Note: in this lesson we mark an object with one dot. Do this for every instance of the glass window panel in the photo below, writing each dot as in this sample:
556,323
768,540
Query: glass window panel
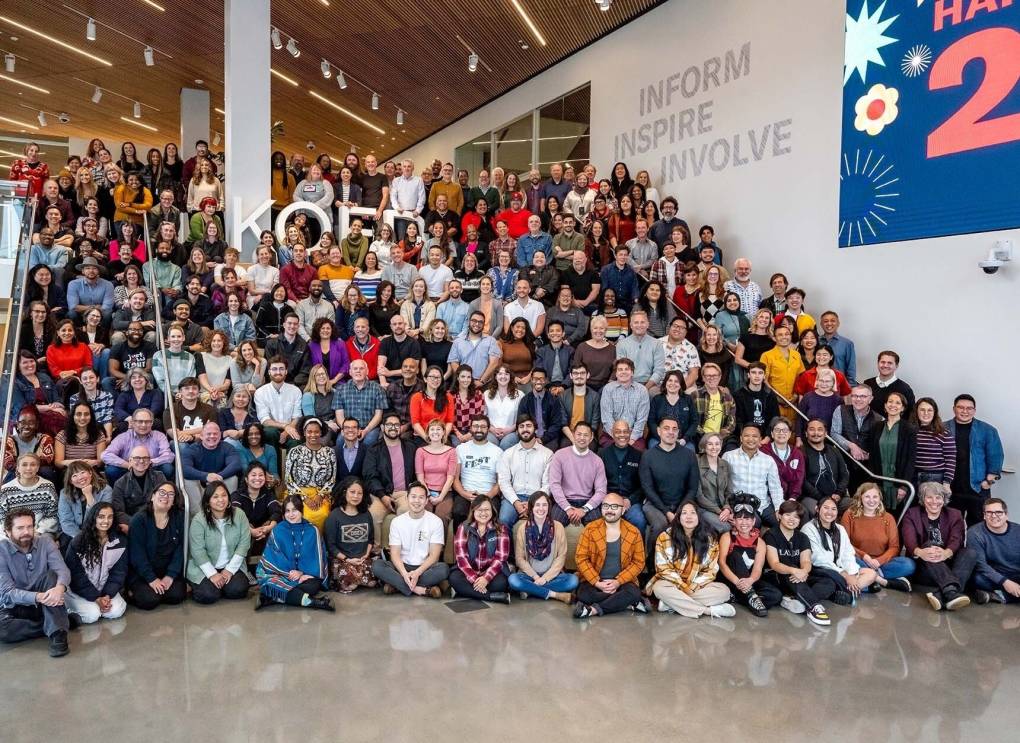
475,155
513,145
564,130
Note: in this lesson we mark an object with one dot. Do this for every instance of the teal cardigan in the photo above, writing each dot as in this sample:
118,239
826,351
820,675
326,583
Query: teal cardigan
204,544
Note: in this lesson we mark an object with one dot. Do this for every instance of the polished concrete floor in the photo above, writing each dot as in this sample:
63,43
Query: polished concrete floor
384,667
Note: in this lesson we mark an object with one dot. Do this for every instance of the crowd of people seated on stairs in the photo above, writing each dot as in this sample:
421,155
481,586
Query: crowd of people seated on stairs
537,370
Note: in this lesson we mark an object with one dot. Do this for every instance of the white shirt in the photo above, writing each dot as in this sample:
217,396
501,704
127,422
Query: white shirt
241,271
531,312
415,536
264,277
436,279
478,465
502,411
278,405
845,561
407,194
757,475
523,470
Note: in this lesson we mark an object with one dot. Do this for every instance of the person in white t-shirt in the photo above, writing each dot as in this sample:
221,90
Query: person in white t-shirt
477,473
415,567
524,306
437,275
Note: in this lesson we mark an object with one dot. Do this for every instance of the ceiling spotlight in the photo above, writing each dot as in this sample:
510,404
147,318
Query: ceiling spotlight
341,80
90,30
9,61
604,4
326,71
523,44
150,57
472,62
275,36
400,117
375,101
216,139
292,48
42,118
138,110
97,94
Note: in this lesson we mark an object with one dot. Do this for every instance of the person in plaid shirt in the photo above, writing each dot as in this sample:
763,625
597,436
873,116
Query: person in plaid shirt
610,556
363,399
481,549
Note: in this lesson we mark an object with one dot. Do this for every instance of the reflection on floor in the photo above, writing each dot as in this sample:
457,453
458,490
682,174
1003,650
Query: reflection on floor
411,669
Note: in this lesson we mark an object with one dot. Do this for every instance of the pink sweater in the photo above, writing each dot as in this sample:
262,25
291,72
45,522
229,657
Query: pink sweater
435,468
575,480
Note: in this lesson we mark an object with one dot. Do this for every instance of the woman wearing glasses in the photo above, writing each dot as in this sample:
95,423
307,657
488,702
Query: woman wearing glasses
156,544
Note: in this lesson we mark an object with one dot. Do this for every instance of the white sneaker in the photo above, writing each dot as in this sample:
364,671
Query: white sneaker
664,608
792,605
722,610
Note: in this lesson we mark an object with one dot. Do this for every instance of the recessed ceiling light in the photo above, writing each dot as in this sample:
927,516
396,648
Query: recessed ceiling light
199,82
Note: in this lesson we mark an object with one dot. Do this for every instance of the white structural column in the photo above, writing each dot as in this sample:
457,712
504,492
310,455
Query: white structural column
247,103
194,119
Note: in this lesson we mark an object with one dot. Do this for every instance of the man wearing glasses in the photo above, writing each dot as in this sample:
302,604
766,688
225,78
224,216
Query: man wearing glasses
610,556
997,544
131,492
978,459
389,469
118,455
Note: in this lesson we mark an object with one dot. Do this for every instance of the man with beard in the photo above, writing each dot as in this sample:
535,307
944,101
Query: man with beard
291,347
297,276
478,472
194,334
33,581
134,353
311,308
166,275
389,468
278,404
522,469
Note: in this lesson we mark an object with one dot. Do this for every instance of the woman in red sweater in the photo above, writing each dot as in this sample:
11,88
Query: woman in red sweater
67,356
432,403
875,538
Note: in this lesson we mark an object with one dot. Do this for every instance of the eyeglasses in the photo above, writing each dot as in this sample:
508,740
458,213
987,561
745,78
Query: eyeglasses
140,459
996,514
611,507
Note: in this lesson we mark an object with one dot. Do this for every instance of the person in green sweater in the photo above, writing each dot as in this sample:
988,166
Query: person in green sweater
218,543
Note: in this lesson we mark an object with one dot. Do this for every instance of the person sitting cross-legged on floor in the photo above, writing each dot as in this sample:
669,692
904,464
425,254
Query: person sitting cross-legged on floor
610,556
218,544
98,560
876,539
481,549
293,565
833,555
416,540
686,565
540,551
788,552
997,544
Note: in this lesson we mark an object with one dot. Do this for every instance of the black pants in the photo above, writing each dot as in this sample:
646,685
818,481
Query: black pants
19,623
626,595
146,599
951,575
818,587
464,589
971,504
206,593
765,588
309,587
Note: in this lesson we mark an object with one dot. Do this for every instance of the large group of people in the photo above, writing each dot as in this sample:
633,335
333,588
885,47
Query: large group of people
433,413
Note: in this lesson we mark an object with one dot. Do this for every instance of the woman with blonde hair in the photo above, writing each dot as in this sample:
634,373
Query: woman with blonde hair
876,539
213,367
317,400
418,309
204,184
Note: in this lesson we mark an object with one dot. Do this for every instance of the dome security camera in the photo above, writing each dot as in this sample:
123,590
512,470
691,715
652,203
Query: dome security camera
310,145
63,118
1000,254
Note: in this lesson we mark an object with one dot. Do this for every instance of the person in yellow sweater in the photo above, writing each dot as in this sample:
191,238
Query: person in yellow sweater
782,365
449,188
132,200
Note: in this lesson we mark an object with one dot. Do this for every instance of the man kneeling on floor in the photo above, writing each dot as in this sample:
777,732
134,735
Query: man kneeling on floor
610,556
416,547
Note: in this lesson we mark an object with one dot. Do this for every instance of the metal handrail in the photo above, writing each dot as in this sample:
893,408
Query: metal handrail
168,397
18,306
789,403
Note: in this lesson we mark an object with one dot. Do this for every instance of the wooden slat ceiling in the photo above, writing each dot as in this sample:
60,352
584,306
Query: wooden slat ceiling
407,52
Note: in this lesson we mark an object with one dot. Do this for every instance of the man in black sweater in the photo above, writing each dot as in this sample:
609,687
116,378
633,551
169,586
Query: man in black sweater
887,382
622,462
669,476
825,470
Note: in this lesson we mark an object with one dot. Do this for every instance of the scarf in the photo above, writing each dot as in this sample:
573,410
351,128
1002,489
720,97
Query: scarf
539,541
738,541
830,537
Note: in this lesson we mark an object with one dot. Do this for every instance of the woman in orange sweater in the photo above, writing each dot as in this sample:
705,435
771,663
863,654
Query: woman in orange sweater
432,403
875,538
132,200
66,357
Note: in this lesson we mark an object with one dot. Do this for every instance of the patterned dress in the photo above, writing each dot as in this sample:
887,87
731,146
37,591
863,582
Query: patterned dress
311,474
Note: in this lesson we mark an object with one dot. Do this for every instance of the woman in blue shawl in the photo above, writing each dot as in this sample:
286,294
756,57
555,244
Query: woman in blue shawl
293,565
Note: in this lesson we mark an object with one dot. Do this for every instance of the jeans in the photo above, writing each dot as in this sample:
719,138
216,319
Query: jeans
206,593
508,515
101,363
507,441
147,599
635,516
523,583
115,473
982,583
949,575
371,437
897,567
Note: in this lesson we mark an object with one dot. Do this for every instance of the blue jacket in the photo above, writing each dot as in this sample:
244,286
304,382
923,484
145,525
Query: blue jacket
527,246
986,453
243,330
624,283
24,393
545,359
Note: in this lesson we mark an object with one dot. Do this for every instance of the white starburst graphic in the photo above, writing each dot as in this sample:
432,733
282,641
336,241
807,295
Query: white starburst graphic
865,36
916,60
871,177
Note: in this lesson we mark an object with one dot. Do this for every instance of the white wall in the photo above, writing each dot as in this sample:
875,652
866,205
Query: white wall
952,325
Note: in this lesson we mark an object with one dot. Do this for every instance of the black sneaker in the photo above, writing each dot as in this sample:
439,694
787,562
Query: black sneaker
981,597
263,601
644,606
323,603
956,600
899,584
499,598
756,605
582,610
58,644
842,598
73,620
